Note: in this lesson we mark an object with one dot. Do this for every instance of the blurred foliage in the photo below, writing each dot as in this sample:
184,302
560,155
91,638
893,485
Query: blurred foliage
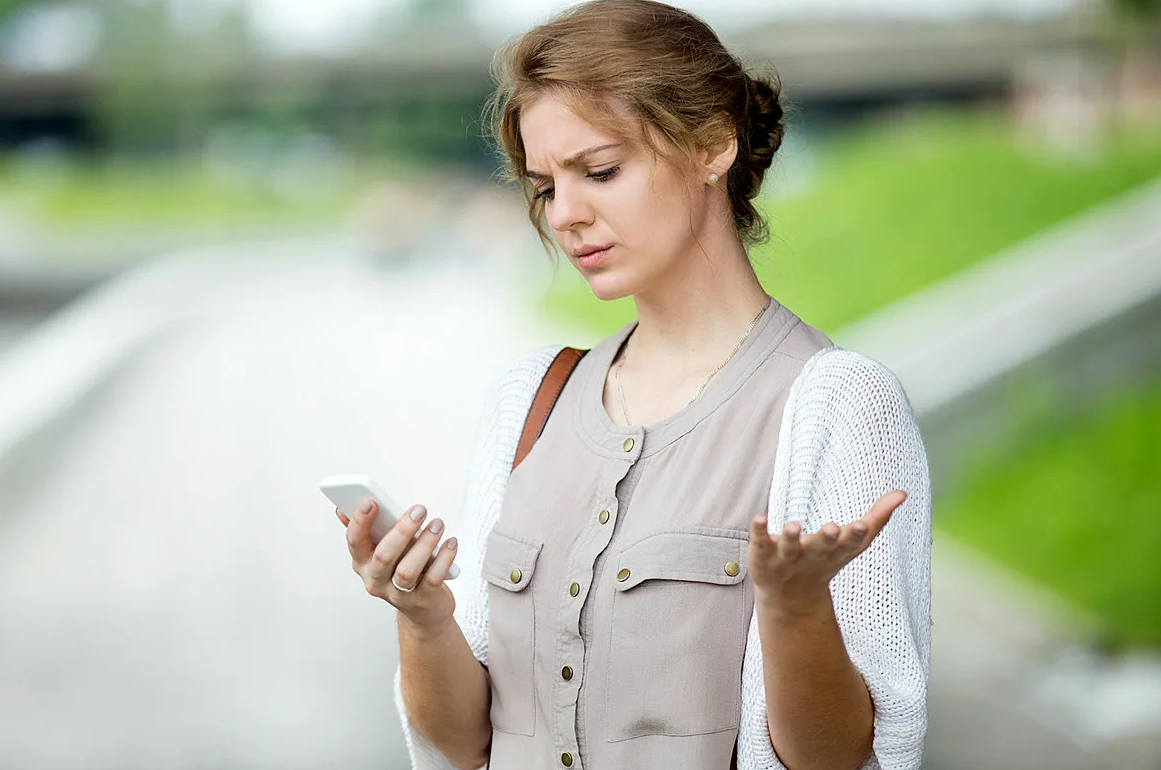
161,86
1074,507
167,81
1139,8
10,7
898,205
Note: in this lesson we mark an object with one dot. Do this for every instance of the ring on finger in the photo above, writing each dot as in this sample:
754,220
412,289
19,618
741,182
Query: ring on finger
400,588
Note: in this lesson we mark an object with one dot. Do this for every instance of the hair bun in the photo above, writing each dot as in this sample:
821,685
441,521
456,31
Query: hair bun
765,115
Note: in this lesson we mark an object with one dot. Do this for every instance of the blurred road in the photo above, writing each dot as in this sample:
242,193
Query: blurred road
174,590
14,326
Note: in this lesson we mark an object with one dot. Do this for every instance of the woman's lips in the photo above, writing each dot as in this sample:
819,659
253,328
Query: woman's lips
589,261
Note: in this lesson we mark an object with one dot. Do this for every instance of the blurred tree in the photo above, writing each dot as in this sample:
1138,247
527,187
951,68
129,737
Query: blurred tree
164,75
1139,9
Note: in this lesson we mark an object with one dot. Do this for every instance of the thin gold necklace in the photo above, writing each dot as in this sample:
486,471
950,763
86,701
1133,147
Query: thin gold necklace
722,365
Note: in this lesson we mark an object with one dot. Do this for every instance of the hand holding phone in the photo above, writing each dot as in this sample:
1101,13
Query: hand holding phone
348,491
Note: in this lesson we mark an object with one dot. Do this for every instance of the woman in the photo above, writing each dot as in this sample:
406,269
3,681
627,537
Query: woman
627,601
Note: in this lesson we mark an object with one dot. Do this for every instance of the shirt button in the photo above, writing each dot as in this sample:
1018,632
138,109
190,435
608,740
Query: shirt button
566,673
574,590
629,444
516,575
566,759
623,575
732,568
603,517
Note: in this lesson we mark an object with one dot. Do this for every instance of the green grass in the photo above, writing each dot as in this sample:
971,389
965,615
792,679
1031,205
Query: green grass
897,206
157,194
1077,508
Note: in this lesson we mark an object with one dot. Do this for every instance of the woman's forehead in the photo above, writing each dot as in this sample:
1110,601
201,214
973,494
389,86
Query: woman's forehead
553,132
550,128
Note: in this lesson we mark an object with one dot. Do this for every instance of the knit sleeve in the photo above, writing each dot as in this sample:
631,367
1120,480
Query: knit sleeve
495,448
848,437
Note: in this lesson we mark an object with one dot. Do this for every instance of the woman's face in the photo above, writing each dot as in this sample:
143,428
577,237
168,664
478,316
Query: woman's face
599,198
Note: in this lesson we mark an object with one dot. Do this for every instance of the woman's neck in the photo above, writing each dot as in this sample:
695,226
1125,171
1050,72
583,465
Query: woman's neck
695,319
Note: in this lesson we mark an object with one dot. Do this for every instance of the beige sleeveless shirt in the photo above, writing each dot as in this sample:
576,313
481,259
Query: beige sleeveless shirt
618,595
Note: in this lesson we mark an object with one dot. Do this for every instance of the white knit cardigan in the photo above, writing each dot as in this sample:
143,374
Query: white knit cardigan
848,436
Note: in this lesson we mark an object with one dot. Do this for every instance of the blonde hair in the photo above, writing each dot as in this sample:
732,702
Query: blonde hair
680,82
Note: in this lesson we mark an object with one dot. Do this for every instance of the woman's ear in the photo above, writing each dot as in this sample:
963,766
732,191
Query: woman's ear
719,156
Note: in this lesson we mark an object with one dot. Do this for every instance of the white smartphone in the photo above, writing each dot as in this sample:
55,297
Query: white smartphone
348,491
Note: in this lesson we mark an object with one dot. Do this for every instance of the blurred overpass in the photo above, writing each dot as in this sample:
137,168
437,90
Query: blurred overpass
854,61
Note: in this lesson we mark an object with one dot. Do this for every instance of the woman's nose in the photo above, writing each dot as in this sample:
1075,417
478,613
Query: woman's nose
568,208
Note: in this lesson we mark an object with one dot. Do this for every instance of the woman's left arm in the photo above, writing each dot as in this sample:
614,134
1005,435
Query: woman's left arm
842,589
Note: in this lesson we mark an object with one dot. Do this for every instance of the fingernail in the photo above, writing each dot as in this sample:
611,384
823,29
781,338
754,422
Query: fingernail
418,512
452,543
365,507
436,526
859,529
761,521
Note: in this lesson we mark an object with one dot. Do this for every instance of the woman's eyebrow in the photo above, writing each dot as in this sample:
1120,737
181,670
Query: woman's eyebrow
575,160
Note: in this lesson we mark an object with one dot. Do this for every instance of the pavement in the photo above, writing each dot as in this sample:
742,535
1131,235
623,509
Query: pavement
174,590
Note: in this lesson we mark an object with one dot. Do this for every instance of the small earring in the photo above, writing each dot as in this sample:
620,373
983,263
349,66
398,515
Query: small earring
713,178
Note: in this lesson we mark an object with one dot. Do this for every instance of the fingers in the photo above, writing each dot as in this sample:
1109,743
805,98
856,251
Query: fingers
394,545
852,537
359,533
759,536
831,539
858,535
342,517
437,572
410,568
789,544
881,511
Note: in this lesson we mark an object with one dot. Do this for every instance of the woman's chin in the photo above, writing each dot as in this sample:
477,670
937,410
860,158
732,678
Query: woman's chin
608,290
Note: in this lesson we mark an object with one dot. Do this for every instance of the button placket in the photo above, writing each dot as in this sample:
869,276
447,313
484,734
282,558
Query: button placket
592,543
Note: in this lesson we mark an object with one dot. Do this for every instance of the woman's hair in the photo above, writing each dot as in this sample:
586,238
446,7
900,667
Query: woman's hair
682,85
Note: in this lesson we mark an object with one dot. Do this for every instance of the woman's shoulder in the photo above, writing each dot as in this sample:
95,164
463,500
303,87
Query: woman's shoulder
842,391
531,364
836,372
522,375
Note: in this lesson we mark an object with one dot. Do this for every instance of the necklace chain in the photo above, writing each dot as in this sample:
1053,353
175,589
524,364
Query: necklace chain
722,365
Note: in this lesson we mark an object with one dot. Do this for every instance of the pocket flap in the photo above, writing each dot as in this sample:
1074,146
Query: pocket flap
509,561
703,556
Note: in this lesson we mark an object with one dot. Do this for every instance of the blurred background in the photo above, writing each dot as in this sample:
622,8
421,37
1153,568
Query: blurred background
245,244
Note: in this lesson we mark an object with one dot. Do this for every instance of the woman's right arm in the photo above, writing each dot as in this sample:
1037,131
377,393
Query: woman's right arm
444,687
446,692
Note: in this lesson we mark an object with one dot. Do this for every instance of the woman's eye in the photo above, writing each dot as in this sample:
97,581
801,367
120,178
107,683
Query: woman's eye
596,176
606,175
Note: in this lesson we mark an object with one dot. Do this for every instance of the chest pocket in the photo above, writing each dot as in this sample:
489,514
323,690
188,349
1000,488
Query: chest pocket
509,566
679,624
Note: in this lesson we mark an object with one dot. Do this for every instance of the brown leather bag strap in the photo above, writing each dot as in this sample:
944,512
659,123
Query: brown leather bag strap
546,395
